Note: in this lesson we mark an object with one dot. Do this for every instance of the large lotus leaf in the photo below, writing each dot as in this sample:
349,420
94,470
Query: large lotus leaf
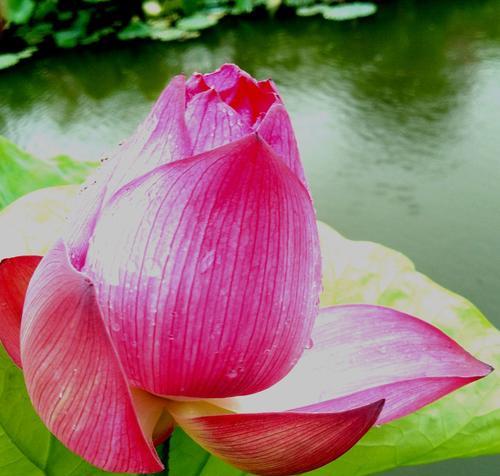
465,423
21,173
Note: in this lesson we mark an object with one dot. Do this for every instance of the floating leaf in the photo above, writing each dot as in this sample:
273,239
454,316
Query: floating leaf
197,22
97,35
34,35
135,29
299,3
170,34
43,8
349,11
67,38
310,11
243,6
71,37
10,59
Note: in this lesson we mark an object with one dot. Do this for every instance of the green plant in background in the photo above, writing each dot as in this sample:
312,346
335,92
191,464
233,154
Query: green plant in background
28,25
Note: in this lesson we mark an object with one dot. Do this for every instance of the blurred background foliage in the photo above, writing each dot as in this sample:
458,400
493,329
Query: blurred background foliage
28,25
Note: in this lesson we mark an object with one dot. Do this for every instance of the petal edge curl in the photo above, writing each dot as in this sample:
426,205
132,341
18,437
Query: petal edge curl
276,444
365,352
72,374
15,275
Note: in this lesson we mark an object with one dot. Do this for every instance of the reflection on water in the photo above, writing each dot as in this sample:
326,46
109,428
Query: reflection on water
398,119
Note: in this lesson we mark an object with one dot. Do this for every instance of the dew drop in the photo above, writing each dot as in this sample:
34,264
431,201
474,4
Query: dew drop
232,374
309,344
207,261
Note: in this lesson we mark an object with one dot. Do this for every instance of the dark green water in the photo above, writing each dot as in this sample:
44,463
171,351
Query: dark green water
397,116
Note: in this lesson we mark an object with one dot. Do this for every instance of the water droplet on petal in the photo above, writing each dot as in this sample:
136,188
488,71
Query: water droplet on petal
309,344
207,261
232,374
153,268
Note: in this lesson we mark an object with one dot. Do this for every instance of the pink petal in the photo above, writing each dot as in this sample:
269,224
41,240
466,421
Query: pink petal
209,273
276,444
225,78
249,98
161,138
212,122
364,352
267,85
276,129
15,275
72,374
194,85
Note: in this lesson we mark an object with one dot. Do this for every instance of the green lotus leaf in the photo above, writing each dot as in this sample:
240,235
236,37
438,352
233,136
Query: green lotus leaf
21,173
10,59
349,11
197,22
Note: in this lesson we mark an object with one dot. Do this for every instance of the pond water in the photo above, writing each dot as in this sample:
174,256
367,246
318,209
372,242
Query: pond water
397,117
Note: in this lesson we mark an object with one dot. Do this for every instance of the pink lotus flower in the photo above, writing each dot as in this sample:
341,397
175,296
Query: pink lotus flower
187,293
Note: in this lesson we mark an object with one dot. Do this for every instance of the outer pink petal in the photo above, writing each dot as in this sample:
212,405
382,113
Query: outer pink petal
364,352
278,444
209,273
72,374
161,138
15,274
212,122
276,129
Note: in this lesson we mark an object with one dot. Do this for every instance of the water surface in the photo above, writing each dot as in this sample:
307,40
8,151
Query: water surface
397,116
